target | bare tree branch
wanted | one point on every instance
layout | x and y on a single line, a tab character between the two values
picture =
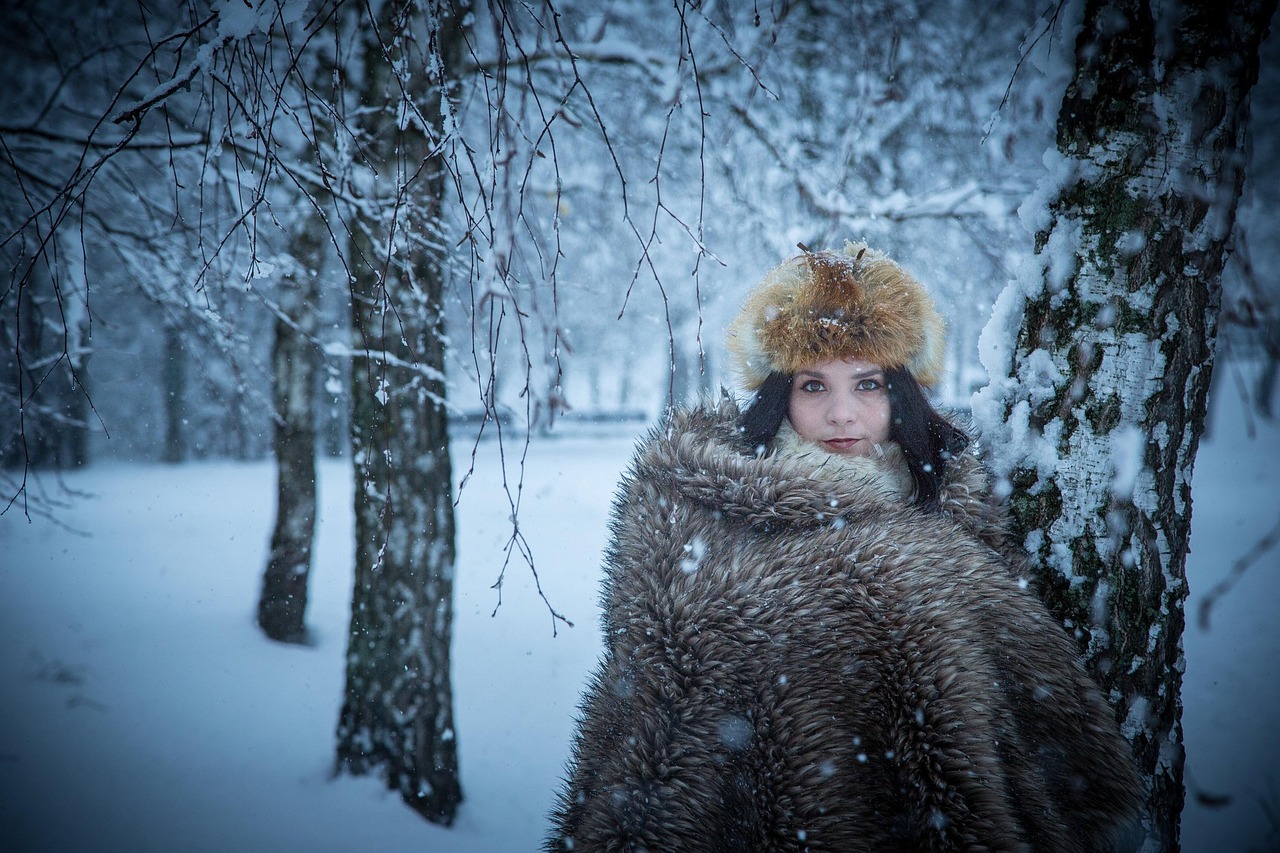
1238	570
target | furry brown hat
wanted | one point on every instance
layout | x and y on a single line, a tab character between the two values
818	306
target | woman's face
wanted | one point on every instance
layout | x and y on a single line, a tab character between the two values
841	405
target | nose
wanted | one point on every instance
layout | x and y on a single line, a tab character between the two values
844	409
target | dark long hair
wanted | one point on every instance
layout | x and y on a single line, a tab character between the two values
926	438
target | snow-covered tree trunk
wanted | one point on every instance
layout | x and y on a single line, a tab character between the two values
1096	411
283	603
397	714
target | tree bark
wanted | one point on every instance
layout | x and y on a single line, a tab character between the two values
397	715
1104	397
283	603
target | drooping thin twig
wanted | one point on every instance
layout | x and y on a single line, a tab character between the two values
1238	570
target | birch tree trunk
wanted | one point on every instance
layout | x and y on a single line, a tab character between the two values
283	603
1101	403
397	714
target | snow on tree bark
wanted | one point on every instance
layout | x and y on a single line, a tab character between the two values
1098	408
397	714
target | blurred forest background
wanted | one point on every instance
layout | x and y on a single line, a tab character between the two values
145	277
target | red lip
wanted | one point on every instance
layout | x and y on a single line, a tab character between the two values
841	443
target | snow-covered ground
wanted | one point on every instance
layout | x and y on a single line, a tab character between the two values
142	710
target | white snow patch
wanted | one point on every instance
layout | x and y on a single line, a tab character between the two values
1128	445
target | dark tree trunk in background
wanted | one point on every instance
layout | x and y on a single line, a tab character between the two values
1266	390
397	714
1111	369
50	427
174	389
283	603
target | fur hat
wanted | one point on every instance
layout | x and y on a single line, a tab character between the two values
819	306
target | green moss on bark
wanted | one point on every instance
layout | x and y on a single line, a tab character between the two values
1103	413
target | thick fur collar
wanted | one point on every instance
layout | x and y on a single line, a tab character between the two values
699	452
888	464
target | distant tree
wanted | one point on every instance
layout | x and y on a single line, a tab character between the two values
174	371
282	604
97	234
1251	298
1098	402
44	318
307	260
42	361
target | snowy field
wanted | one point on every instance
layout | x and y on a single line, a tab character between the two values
142	710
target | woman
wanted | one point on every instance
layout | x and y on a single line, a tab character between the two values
815	638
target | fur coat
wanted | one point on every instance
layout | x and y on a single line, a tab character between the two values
797	658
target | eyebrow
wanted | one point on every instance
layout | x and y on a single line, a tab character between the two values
862	374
